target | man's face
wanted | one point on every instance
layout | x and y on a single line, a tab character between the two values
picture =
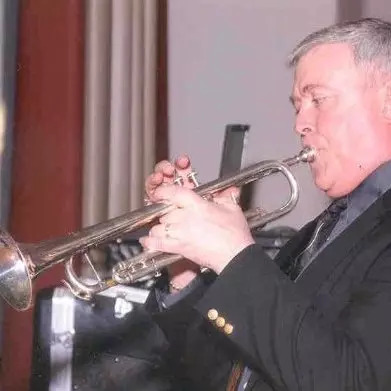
340	114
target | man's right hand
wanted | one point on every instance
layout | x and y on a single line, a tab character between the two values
183	272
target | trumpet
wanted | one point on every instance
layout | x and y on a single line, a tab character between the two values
21	264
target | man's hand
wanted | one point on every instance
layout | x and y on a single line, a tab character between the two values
165	173
208	233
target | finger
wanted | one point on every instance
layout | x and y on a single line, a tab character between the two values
179	196
174	217
152	243
152	182
164	173
183	169
165	167
162	231
154	179
182	162
168	230
230	192
231	197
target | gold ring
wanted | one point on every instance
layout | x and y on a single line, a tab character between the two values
167	230
147	201
235	198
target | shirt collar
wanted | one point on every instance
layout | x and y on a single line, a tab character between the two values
373	187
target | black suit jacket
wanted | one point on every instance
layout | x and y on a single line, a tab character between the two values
330	330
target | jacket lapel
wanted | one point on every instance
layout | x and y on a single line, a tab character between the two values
349	246
286	257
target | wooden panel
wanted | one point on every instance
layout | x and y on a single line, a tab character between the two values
162	85
46	177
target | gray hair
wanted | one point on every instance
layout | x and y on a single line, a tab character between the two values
370	40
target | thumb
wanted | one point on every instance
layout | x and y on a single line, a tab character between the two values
178	196
228	196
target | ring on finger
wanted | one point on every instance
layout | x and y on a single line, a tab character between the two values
235	198
147	201
167	230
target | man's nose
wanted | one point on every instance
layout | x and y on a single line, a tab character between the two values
303	130
304	124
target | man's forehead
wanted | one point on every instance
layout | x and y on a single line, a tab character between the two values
321	64
332	53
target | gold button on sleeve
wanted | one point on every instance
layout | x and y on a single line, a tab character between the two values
228	328
220	321
213	314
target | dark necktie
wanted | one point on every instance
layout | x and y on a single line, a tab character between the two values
325	225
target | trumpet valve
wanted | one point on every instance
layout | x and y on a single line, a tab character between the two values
179	181
192	177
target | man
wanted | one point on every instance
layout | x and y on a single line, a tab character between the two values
318	318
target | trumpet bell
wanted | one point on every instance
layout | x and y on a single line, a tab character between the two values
15	281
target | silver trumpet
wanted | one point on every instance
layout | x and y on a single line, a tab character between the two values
21	263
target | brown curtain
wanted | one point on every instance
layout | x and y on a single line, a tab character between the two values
120	105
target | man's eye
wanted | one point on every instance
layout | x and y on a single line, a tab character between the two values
297	109
318	100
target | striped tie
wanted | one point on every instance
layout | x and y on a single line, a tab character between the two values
234	377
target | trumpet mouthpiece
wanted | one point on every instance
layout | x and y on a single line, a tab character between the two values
307	155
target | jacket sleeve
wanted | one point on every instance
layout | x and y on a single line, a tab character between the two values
285	336
199	358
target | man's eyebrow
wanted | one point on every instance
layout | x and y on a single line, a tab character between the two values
308	88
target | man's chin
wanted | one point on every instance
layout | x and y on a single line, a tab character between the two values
316	176
321	183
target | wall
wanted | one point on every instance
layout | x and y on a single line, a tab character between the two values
227	64
378	8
